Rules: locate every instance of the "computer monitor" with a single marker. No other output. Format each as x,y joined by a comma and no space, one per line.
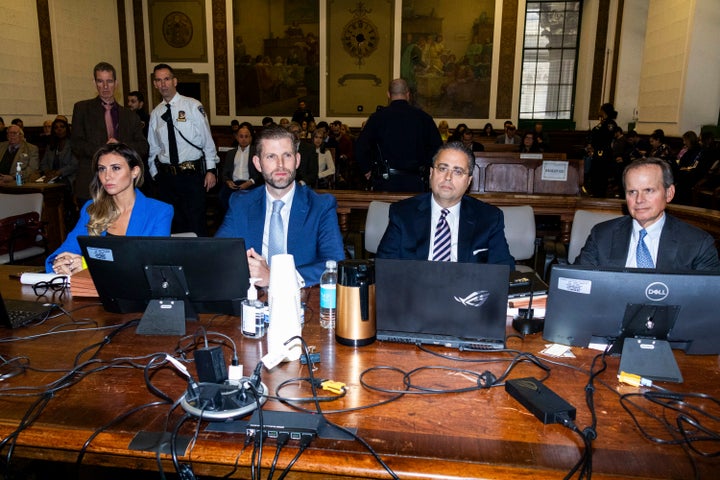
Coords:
587,304
170,279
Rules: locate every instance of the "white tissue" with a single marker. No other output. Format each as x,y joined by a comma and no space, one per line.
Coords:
33,278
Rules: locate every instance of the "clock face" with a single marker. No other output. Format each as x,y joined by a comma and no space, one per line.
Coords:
360,38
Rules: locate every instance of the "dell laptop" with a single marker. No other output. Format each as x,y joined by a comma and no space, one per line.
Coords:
457,305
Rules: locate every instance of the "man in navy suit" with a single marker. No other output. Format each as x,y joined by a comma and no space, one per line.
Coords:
670,244
477,230
309,220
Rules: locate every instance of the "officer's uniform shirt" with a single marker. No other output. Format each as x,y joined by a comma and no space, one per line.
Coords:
189,117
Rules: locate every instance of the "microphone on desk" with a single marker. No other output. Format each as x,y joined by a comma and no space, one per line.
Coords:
524,322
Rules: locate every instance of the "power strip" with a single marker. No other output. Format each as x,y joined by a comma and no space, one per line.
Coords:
297,425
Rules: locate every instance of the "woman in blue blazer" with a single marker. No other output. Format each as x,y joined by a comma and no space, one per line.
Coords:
117,207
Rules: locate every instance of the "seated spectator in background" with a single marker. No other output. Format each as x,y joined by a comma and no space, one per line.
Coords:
267,122
621,156
42,140
444,130
18,122
239,172
234,125
457,133
648,237
326,166
529,145
637,147
344,155
306,173
509,137
284,122
59,164
692,167
308,225
488,131
659,149
16,150
468,140
541,137
117,207
446,224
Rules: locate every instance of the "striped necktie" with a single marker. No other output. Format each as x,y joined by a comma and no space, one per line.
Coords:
441,245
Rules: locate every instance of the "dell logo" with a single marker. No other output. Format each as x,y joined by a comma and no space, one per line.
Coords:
656,291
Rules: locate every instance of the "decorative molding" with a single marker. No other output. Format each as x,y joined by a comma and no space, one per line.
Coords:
598,70
618,30
506,64
220,54
177,31
124,63
46,54
142,74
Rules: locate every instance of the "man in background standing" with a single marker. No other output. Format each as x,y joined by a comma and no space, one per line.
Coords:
136,103
98,121
397,144
183,157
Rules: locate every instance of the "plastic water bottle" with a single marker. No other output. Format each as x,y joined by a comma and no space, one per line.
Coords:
328,296
18,174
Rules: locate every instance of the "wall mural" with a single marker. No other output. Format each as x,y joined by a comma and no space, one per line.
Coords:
446,55
276,56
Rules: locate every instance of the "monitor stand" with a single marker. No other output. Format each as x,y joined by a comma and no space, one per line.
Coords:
163,317
645,321
170,306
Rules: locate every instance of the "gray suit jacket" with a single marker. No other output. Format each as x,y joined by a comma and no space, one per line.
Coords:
682,246
89,134
28,155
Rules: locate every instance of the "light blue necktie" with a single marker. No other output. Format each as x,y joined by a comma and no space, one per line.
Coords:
642,254
276,241
441,244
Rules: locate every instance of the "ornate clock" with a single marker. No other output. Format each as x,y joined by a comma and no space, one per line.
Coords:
360,36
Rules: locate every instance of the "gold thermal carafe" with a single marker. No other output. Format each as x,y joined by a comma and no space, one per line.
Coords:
355,324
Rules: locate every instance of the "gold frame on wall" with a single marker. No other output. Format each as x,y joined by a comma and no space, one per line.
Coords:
177,31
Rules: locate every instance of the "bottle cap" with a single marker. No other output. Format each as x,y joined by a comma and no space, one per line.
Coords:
18,166
330,264
252,291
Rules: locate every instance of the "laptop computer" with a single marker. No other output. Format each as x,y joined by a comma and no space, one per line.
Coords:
457,305
18,313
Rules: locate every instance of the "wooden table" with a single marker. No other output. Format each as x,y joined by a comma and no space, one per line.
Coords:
53,212
479,434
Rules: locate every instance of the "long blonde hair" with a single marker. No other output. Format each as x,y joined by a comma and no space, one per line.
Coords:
104,211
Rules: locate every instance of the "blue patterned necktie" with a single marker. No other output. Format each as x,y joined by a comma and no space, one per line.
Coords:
441,245
642,254
276,241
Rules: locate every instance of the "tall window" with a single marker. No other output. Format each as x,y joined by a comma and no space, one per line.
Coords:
552,33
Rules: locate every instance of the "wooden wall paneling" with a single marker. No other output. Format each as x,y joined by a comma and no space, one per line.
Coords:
46,55
506,66
124,61
598,70
142,73
220,55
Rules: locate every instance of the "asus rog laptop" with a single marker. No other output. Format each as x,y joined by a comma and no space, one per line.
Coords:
18,313
457,305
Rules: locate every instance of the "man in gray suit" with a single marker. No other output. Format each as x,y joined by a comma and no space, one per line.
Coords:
102,120
17,150
649,237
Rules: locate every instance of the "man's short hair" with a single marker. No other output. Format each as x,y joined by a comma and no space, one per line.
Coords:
275,132
104,67
398,87
161,66
137,94
235,122
667,174
268,120
16,121
458,146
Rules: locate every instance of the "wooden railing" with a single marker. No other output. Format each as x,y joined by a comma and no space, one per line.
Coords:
513,172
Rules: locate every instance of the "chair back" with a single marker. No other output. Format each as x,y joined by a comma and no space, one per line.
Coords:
18,204
378,216
583,222
520,231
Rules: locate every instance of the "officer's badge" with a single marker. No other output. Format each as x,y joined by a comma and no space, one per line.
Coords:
181,116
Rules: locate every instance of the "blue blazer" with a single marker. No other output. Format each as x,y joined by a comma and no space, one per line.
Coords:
481,232
682,246
149,218
313,232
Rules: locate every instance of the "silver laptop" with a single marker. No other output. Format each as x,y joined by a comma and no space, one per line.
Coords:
457,305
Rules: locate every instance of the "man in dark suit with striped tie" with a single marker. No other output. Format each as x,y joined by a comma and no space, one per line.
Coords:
446,224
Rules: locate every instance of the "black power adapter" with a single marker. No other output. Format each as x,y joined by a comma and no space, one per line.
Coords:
210,365
542,402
